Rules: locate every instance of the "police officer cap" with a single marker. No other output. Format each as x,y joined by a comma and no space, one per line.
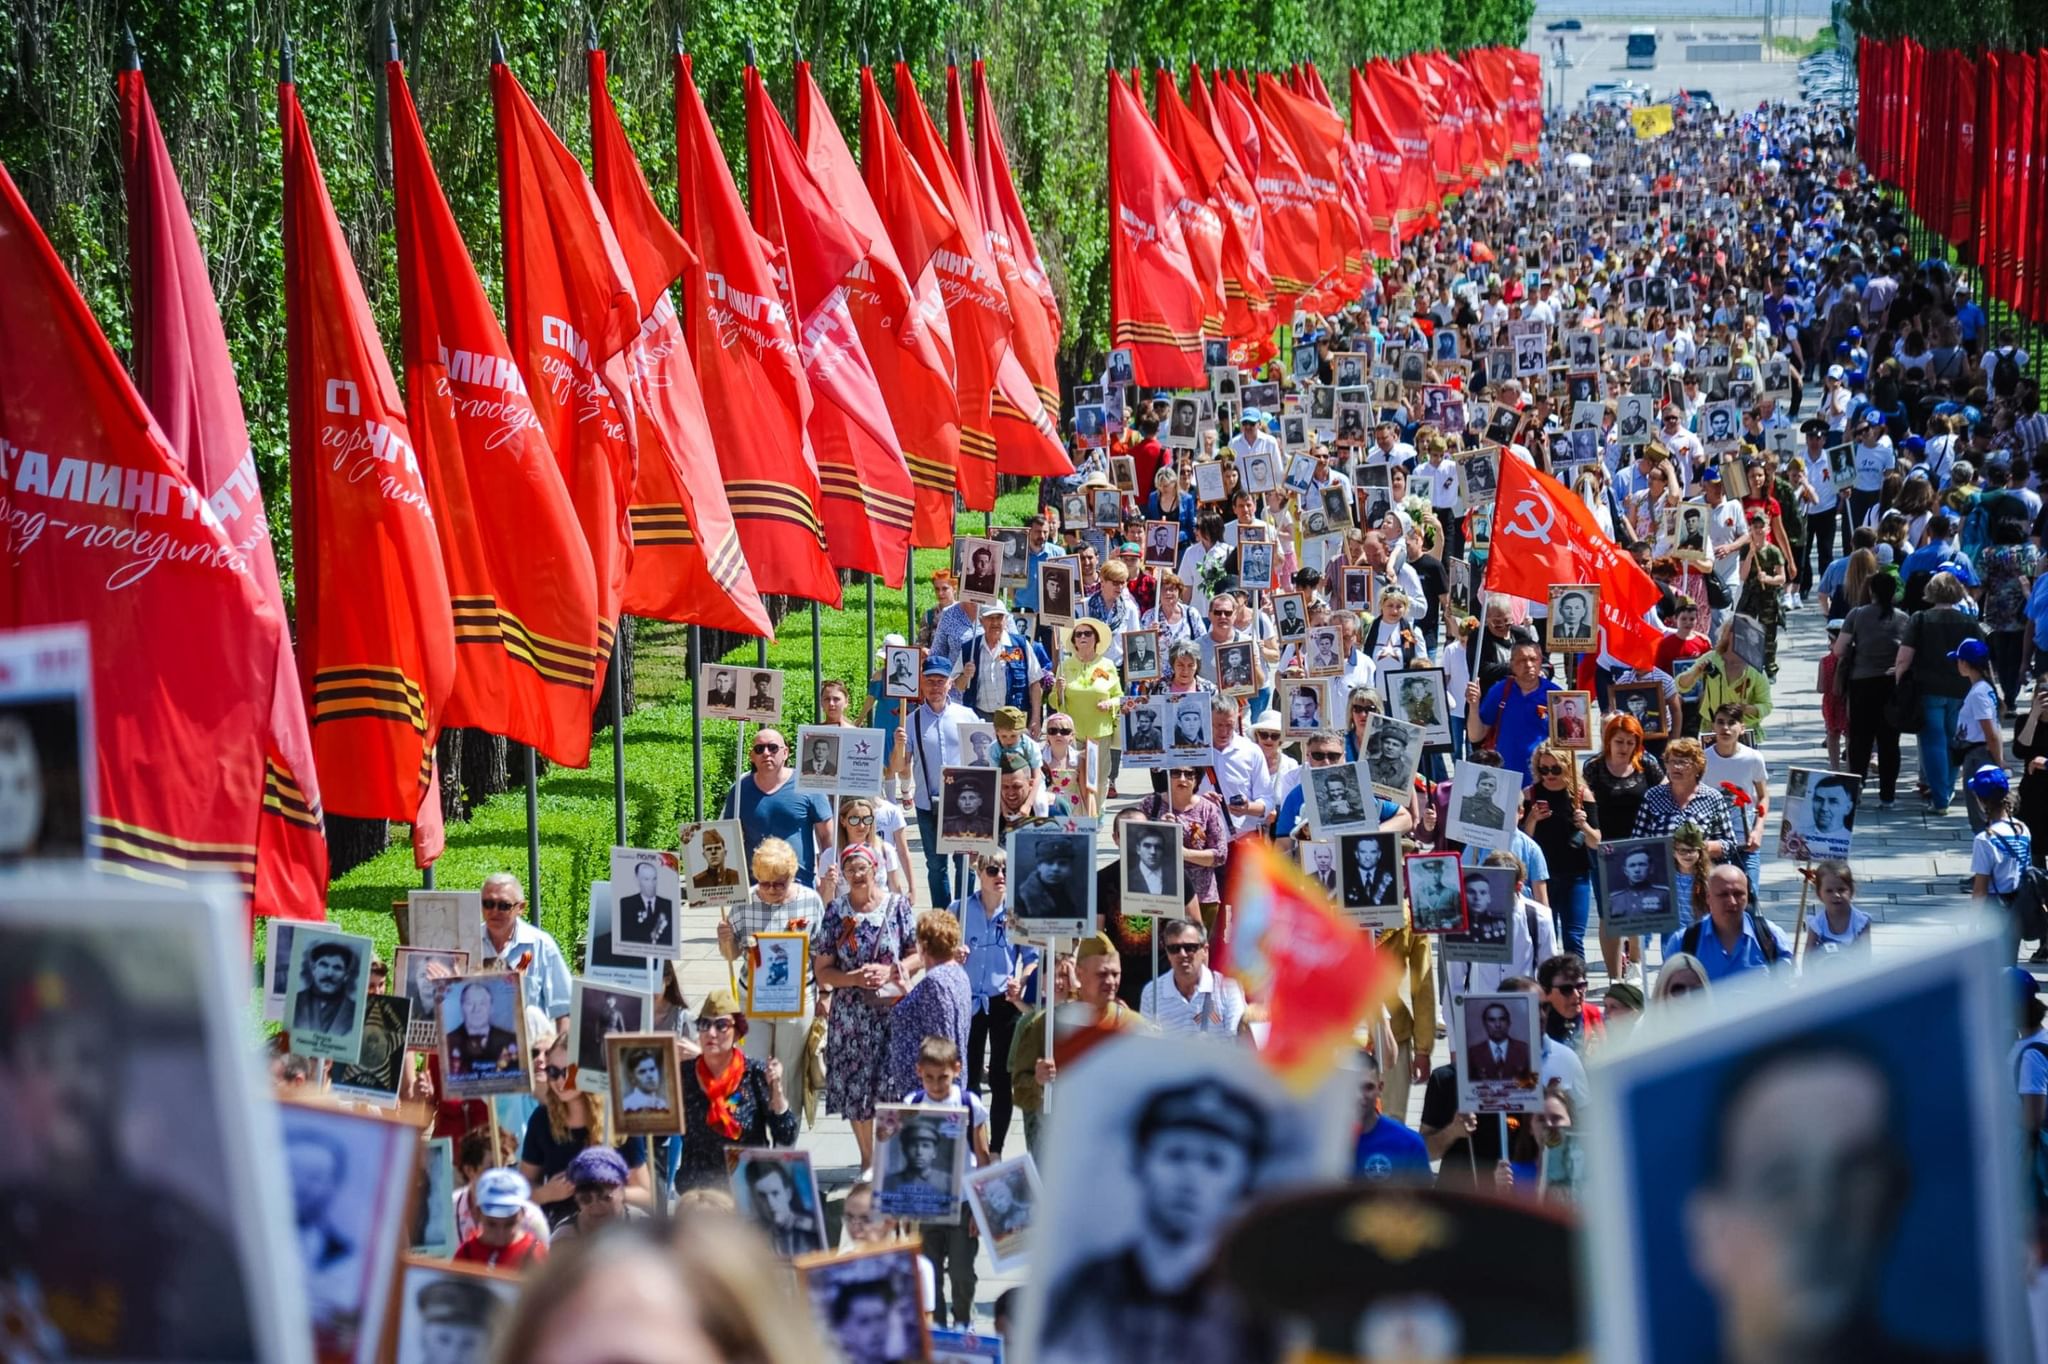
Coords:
457,1301
1205,1106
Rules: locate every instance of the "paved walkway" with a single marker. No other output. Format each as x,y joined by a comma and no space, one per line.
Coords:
1908,866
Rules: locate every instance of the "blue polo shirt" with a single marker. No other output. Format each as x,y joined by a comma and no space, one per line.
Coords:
1392,1150
788,814
1748,954
1293,817
1517,725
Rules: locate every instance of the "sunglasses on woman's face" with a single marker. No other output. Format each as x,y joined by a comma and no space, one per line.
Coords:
1060,733
557,1073
1549,770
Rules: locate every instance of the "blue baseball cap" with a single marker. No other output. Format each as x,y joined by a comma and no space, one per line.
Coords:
501,1192
1913,443
1253,415
1990,779
937,667
1976,653
2024,986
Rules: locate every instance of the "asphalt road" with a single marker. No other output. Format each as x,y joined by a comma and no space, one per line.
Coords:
1598,53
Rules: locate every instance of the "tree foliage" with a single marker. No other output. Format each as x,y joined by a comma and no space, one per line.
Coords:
2011,25
212,67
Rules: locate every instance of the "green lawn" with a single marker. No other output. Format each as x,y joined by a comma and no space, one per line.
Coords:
576,805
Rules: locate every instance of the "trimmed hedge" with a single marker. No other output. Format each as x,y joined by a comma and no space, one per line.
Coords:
575,805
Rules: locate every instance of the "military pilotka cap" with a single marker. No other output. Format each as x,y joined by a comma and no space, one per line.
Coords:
1383,1272
1097,946
457,1302
1206,1106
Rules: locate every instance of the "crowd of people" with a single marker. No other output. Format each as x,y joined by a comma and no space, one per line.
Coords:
1719,341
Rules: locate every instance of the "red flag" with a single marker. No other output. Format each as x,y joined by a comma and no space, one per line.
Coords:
687,561
107,528
1409,120
1027,435
526,621
904,330
1318,973
1287,202
1247,288
1316,137
1991,130
185,375
376,634
571,316
1544,534
1370,132
748,368
1155,302
1961,216
977,303
867,503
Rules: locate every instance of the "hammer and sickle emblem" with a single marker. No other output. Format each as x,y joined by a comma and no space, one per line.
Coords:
1526,522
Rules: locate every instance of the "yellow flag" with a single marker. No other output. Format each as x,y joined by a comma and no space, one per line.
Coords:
1651,121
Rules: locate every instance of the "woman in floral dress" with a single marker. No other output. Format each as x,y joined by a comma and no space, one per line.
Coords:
865,950
939,1005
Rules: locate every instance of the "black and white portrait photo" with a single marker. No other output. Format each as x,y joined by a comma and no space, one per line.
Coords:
1056,586
1820,814
1191,729
1637,880
1720,427
1370,866
714,858
920,1157
1393,750
418,972
1141,655
483,1033
1642,702
1015,544
1349,368
1183,424
1005,1198
1483,804
1118,370
646,888
1181,1135
1304,707
1325,652
1162,543
330,987
869,1303
1236,673
446,1312
817,766
1150,856
1290,617
753,694
46,763
1417,696
1255,565
1498,1049
1340,800
1489,900
980,568
1436,900
1144,733
1052,880
1574,621
348,1215
1257,473
1108,509
595,1013
967,809
899,670
1482,475
777,1190
644,1082
978,743
374,1078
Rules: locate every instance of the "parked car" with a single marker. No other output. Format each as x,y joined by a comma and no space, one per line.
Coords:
1563,26
1698,99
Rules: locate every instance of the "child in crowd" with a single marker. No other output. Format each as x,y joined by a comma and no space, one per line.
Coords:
949,1245
865,1226
1835,924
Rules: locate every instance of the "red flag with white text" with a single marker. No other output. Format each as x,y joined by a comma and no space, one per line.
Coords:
184,373
903,329
687,562
867,494
748,369
106,528
520,578
1544,534
376,632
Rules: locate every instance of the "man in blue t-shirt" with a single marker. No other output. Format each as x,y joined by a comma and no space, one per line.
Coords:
768,805
1387,1149
1513,717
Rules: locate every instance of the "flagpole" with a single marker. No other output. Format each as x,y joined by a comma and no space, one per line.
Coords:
870,654
817,667
618,738
533,832
910,594
696,647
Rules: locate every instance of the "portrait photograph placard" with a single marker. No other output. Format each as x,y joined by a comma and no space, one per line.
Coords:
817,758
980,568
646,891
1188,737
604,964
920,1160
446,920
595,1013
1304,706
1393,752
351,1174
734,693
1323,651
869,1302
1638,881
1571,720
1290,617
1489,900
1052,879
1255,565
1483,804
1005,1198
1418,696
483,1036
1150,857
1141,656
1340,800
1573,625
1642,702
375,1077
644,1078
446,1311
777,1190
1209,482
418,973
901,665
1819,814
977,743
715,860
775,986
328,992
432,1232
1237,671
1162,543
1370,871
1142,733
967,810
1436,897
858,755
1058,589
1499,1043
1014,545
46,743
1318,859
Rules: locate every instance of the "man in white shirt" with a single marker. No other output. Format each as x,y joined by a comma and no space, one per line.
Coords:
1191,1000
1873,457
985,664
1734,763
1727,535
1239,779
930,739
1388,448
1686,450
1252,438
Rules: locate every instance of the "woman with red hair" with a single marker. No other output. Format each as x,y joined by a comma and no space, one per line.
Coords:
1618,777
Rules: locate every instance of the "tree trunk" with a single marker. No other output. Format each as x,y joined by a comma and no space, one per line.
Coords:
352,842
622,659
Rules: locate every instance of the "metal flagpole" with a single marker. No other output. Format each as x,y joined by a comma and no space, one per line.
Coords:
1052,1013
817,668
870,654
533,832
910,594
618,739
696,724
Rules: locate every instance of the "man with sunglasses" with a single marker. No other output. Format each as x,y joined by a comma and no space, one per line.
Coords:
1191,1001
513,944
1324,748
768,804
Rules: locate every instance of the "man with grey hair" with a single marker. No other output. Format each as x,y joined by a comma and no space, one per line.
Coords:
511,943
